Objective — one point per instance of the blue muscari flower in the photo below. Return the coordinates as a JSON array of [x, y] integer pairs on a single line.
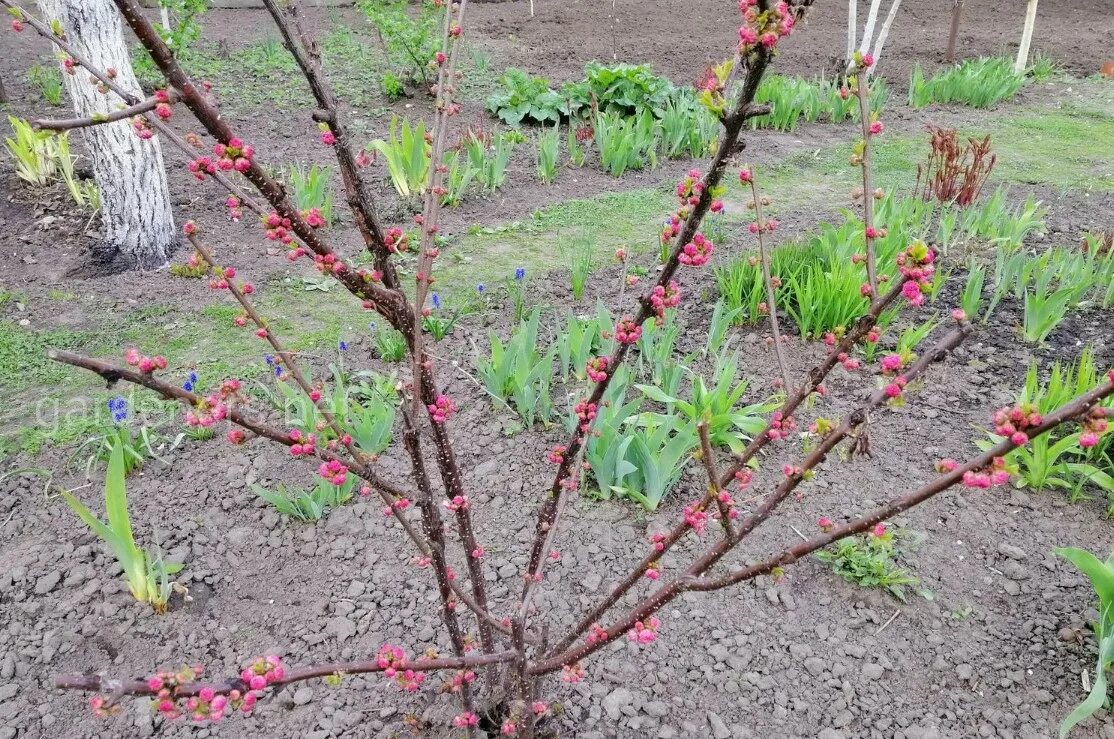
[[187, 386], [269, 360], [119, 408], [278, 371], [436, 301], [480, 288], [193, 377], [343, 346], [520, 273]]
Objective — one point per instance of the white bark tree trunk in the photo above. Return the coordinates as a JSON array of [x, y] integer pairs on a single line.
[[139, 230]]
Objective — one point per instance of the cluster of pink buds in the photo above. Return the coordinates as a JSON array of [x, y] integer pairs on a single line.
[[996, 473], [596, 634], [162, 105], [509, 728], [652, 572], [277, 228], [17, 24], [645, 632], [390, 660], [314, 218], [573, 673], [262, 672], [236, 437], [397, 240], [144, 364], [743, 478], [769, 225], [892, 363], [556, 455], [1012, 423], [304, 444], [765, 28], [1094, 426], [597, 369], [399, 505], [586, 412], [235, 212], [457, 503], [442, 409], [727, 502], [69, 66], [658, 542], [328, 138], [875, 127], [328, 264], [894, 389], [697, 252], [233, 155], [142, 128], [696, 517], [780, 426], [849, 363], [662, 297], [690, 189], [208, 412], [671, 228], [333, 471], [627, 331], [467, 719], [916, 264], [825, 524], [862, 61], [200, 167], [460, 679], [821, 427]]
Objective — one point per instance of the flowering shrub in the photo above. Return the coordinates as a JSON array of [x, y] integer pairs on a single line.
[[508, 641]]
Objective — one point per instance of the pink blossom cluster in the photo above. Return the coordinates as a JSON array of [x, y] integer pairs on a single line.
[[162, 106], [645, 632], [671, 228], [314, 218], [304, 444], [1012, 423], [849, 363], [728, 502], [144, 364], [442, 409], [596, 369], [894, 389], [596, 634], [328, 264], [1094, 426], [233, 155], [662, 297], [995, 473], [916, 265], [459, 680], [780, 426], [763, 28], [466, 719], [658, 542], [573, 673], [333, 472], [141, 127], [627, 331], [398, 505], [277, 228], [391, 659], [556, 455], [696, 517], [214, 407], [457, 503], [235, 212], [586, 412], [697, 252], [397, 240]]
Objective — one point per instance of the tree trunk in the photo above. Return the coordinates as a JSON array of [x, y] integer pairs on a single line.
[[138, 224]]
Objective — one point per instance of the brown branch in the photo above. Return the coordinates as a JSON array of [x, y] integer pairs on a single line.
[[767, 279], [708, 459], [131, 111], [863, 88], [117, 688]]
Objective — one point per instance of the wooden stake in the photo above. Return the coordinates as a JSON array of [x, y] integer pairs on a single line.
[[957, 13], [1026, 38]]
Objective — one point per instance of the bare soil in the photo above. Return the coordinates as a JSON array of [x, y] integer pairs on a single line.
[[994, 647]]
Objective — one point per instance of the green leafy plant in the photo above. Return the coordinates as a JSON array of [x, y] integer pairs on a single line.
[[546, 150], [729, 424], [970, 300], [48, 81], [688, 129], [575, 147], [868, 561], [440, 323], [1101, 575], [624, 89], [579, 342], [409, 40], [795, 100], [310, 189], [1045, 307], [391, 86], [185, 26], [407, 156], [490, 162], [626, 143], [518, 375], [580, 267], [147, 574], [524, 97], [38, 154], [459, 177], [979, 83], [308, 505]]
